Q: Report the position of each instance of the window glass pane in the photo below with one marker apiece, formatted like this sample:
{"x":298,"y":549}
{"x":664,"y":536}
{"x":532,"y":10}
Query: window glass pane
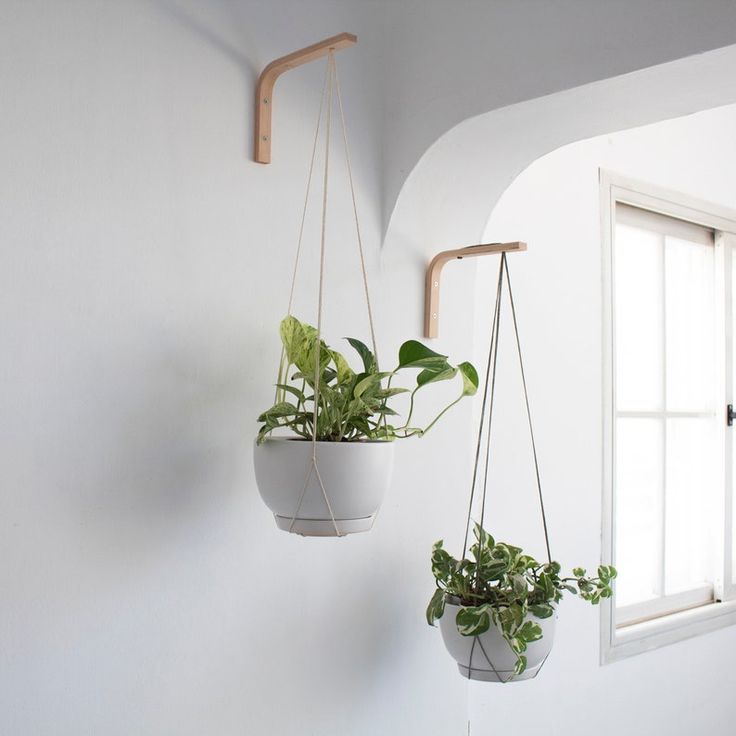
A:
{"x":668,"y":461}
{"x":690,"y":531}
{"x":638,"y":319}
{"x":690,"y":319}
{"x":638,"y":476}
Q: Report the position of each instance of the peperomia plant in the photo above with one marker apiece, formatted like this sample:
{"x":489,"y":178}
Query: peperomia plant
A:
{"x":351,"y":405}
{"x":504,"y":587}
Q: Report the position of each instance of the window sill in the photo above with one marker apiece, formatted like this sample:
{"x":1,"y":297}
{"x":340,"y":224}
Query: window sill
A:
{"x":648,"y":635}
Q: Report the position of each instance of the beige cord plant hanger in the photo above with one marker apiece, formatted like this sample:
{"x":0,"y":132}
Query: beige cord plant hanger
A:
{"x":329,"y":476}
{"x":313,"y":511}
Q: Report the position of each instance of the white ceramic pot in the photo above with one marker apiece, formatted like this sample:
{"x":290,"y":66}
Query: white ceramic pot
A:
{"x":355,"y":477}
{"x":489,"y":657}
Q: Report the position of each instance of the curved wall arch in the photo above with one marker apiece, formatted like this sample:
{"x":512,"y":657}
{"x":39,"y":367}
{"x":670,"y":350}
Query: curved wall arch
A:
{"x":446,"y":199}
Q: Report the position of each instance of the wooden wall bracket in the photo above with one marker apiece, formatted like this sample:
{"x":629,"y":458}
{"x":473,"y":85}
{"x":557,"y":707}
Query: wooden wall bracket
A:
{"x":264,"y":88}
{"x":434,"y":271}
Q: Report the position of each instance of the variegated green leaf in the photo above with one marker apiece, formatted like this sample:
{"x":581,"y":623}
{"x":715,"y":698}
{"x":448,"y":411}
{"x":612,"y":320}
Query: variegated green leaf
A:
{"x":473,"y":621}
{"x":470,"y":378}
{"x":436,"y":607}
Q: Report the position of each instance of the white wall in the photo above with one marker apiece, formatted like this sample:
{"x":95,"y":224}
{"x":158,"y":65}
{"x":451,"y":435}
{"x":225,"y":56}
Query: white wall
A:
{"x":554,"y":206}
{"x":143,"y":268}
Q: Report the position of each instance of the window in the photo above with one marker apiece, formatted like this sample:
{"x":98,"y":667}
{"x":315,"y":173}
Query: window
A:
{"x":668,"y":451}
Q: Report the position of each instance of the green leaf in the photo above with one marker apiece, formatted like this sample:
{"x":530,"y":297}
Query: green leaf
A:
{"x":578,"y":572}
{"x":292,"y":390}
{"x":527,"y":562}
{"x":362,"y":426}
{"x":344,"y":371}
{"x":292,"y":337}
{"x":436,"y":607}
{"x":517,"y":644}
{"x":529,"y":632}
{"x":516,"y":614}
{"x":349,"y":406}
{"x":262,"y":434}
{"x":282,"y":409}
{"x":442,"y":563}
{"x":430,"y":376}
{"x":473,"y":621}
{"x":518,"y":583}
{"x":606,"y":573}
{"x":470,"y":378}
{"x":542,"y":610}
{"x":301,"y":345}
{"x":370,"y":381}
{"x":308,"y":359}
{"x":545,"y":585}
{"x":328,"y":375}
{"x":387,"y":393}
{"x":483,"y":537}
{"x":495,"y":570}
{"x":369,"y":360}
{"x":413,"y":354}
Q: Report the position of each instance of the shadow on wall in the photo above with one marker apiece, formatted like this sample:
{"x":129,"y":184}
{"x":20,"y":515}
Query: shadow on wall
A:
{"x":217,"y":40}
{"x":176,"y":417}
{"x":198,"y":28}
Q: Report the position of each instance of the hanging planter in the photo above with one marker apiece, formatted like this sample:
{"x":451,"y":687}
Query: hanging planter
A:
{"x":328,"y":476}
{"x":488,"y":656}
{"x":497,"y":606}
{"x":358,"y":475}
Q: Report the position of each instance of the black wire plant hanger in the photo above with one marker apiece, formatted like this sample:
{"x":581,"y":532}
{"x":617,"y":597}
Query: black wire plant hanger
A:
{"x":486,"y":413}
{"x":502,"y":601}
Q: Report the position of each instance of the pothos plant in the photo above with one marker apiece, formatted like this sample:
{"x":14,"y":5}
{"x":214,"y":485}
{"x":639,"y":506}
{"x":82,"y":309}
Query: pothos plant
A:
{"x":352,"y":405}
{"x":504,"y":587}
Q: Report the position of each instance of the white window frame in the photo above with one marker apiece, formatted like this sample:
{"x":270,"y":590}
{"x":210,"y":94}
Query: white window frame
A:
{"x":704,"y":613}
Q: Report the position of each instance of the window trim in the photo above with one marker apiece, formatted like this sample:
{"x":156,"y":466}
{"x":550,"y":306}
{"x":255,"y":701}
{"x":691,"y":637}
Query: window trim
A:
{"x":666,"y":605}
{"x":672,"y":627}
